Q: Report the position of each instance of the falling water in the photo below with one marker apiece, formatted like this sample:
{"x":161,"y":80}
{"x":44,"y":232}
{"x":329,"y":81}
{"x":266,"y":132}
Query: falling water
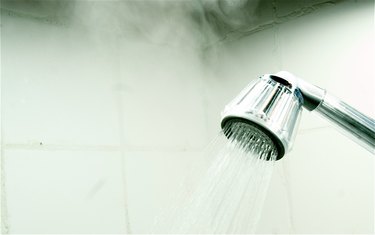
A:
{"x":230,"y":195}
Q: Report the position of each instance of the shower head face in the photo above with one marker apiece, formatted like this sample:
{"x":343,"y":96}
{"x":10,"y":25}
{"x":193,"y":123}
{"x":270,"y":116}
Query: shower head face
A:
{"x":270,"y":107}
{"x":252,"y":138}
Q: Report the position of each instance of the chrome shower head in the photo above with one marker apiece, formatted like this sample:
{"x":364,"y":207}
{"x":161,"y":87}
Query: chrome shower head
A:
{"x":269,"y":109}
{"x":270,"y":105}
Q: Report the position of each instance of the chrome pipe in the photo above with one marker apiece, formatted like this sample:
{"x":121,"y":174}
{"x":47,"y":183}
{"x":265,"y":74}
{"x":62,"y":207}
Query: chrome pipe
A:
{"x":354,"y":124}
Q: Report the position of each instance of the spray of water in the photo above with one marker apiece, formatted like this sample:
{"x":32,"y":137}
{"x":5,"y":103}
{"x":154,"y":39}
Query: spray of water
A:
{"x":230,"y":195}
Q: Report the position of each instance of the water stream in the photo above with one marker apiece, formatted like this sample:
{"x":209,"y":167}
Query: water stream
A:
{"x":228,"y":197}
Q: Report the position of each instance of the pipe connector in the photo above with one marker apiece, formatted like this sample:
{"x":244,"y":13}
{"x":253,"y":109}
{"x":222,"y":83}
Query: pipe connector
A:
{"x":312,"y":95}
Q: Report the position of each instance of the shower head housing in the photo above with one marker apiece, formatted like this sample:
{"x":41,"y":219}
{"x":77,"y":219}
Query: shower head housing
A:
{"x":270,"y":105}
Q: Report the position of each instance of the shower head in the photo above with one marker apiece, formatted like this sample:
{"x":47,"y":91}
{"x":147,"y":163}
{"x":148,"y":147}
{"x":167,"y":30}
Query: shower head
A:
{"x":266,"y":114}
{"x":270,"y":105}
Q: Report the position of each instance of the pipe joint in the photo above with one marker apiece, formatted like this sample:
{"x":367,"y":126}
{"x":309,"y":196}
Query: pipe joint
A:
{"x":311,"y":94}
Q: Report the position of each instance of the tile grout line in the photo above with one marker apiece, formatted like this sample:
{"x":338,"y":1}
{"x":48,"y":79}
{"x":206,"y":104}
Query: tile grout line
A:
{"x":108,"y":148}
{"x":307,"y":130}
{"x":4,"y":207}
{"x":120,"y":115}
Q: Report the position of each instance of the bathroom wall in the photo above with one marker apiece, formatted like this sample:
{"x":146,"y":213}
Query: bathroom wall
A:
{"x":326,"y":184}
{"x":98,"y":129}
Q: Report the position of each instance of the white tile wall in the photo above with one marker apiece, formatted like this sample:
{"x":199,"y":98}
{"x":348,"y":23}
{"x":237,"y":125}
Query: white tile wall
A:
{"x":64,"y":191}
{"x":153,"y":180}
{"x":63,"y":167}
{"x":93,"y":131}
{"x":331,"y":184}
{"x":57,"y":87}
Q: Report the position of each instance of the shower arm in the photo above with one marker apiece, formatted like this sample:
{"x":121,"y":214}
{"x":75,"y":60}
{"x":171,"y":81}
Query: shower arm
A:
{"x":355,"y":124}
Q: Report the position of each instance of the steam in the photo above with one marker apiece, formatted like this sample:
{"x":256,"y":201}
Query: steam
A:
{"x":190,"y":23}
{"x":176,"y":23}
